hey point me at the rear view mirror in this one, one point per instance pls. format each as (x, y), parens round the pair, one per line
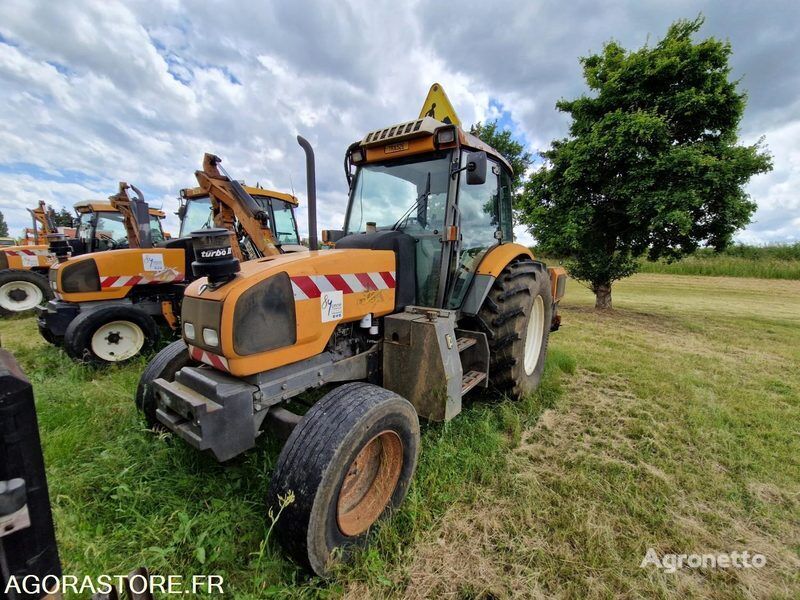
(331, 236)
(476, 168)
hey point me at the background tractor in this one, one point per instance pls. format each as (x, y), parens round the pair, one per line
(111, 307)
(424, 298)
(23, 269)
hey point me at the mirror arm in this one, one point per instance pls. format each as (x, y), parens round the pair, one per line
(470, 167)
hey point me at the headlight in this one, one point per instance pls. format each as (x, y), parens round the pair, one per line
(81, 276)
(446, 136)
(210, 337)
(188, 331)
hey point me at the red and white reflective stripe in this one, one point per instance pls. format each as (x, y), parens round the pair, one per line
(131, 280)
(28, 252)
(209, 358)
(306, 287)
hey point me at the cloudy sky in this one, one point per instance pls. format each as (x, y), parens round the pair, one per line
(93, 92)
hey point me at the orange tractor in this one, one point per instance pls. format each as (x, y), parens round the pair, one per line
(424, 299)
(110, 307)
(23, 269)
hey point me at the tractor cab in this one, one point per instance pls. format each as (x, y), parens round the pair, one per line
(196, 212)
(101, 227)
(438, 185)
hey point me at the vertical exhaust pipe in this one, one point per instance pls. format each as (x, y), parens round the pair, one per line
(311, 183)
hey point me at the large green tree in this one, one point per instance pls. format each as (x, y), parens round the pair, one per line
(3, 226)
(651, 166)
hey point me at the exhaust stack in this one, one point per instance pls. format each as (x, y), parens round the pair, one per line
(311, 183)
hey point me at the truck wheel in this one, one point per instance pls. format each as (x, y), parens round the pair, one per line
(516, 317)
(164, 365)
(22, 291)
(112, 334)
(349, 461)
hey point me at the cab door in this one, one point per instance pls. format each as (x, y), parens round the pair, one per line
(480, 228)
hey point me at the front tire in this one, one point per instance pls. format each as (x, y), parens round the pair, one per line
(164, 365)
(22, 291)
(348, 462)
(109, 335)
(516, 317)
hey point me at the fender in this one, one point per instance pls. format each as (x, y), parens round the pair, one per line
(492, 264)
(496, 259)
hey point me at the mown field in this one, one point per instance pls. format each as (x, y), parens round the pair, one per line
(672, 423)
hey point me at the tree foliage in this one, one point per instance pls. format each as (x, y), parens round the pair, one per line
(61, 217)
(651, 166)
(3, 226)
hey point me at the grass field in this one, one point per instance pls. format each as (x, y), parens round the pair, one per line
(672, 423)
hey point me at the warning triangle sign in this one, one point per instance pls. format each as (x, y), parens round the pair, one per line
(437, 105)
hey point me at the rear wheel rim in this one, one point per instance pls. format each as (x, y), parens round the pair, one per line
(533, 337)
(369, 483)
(19, 296)
(117, 341)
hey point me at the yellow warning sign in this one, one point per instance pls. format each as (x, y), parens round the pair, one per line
(437, 105)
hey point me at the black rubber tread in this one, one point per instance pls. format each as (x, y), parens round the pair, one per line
(50, 337)
(504, 318)
(40, 281)
(164, 365)
(315, 459)
(77, 337)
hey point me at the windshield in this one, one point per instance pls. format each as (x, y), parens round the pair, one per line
(156, 232)
(110, 231)
(4, 242)
(285, 228)
(408, 194)
(197, 216)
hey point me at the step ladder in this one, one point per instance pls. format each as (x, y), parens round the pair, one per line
(473, 350)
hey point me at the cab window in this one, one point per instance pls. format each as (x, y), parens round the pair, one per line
(197, 215)
(478, 207)
(110, 231)
(156, 232)
(285, 230)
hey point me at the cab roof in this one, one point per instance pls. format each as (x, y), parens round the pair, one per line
(393, 135)
(86, 206)
(198, 192)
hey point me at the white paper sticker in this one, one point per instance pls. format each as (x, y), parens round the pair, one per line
(29, 261)
(332, 304)
(153, 262)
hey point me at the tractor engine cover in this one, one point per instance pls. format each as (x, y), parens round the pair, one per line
(404, 248)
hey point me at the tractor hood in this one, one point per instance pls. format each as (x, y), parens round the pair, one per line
(283, 309)
(112, 274)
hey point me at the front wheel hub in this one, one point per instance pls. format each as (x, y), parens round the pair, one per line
(117, 341)
(20, 296)
(369, 483)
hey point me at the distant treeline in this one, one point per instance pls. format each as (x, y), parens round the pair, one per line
(774, 261)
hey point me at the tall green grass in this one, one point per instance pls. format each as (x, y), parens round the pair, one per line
(776, 261)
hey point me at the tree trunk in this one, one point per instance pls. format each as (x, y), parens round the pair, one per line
(602, 295)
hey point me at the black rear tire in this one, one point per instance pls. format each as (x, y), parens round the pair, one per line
(164, 365)
(520, 295)
(319, 458)
(81, 331)
(13, 300)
